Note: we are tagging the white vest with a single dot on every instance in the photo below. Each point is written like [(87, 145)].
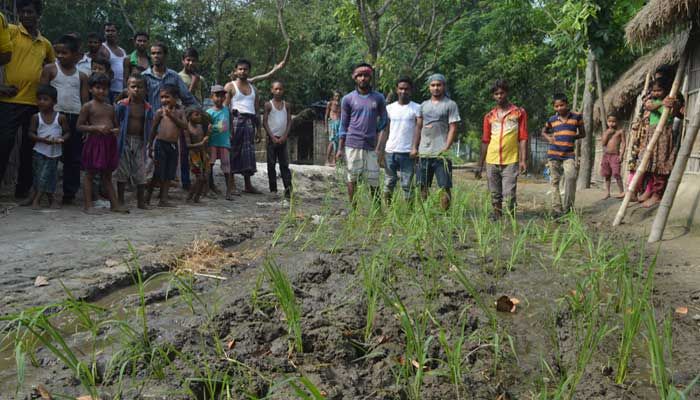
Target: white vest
[(52, 130), (242, 103), (277, 119)]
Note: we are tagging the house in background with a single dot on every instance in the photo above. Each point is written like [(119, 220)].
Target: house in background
[(674, 25)]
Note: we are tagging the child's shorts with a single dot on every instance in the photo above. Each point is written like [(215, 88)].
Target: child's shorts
[(223, 154), (45, 170), (132, 161), (199, 162), (610, 165), (165, 157)]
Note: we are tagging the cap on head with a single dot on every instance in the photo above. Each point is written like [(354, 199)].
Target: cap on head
[(436, 77), (217, 89)]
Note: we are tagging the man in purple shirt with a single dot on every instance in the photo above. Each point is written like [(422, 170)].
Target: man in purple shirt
[(362, 116)]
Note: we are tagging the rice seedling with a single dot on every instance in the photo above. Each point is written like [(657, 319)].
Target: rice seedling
[(305, 389), (453, 353), (372, 282), (415, 329), (518, 246), (282, 288), (633, 298)]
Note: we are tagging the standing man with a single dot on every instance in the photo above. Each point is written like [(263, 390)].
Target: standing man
[(94, 46), (138, 60), (438, 128), (362, 116), (157, 76), (190, 75), (504, 149), (5, 56), (396, 140), (242, 98), (116, 56), (30, 51)]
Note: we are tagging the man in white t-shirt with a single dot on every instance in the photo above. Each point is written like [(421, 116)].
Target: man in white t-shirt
[(396, 140)]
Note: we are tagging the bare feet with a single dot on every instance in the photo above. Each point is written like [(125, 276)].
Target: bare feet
[(644, 197), (652, 201), (27, 202), (119, 209), (251, 190), (143, 206), (166, 204), (91, 211), (620, 196), (607, 196)]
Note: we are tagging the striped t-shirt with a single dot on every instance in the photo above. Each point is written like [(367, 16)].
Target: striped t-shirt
[(564, 130)]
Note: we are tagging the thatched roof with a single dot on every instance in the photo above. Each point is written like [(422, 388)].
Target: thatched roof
[(659, 17), (622, 95)]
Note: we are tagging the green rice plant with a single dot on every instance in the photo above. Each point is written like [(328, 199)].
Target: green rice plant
[(37, 322), (634, 298), (518, 246), (453, 354), (415, 328), (282, 288), (305, 389), (373, 273)]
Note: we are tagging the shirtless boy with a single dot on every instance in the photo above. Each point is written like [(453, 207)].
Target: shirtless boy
[(332, 126), (168, 123), (613, 150), (134, 115)]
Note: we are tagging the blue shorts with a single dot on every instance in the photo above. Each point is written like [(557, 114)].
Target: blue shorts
[(165, 159), (440, 168)]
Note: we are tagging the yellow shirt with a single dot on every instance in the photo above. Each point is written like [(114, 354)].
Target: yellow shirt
[(503, 133), (29, 54), (5, 43)]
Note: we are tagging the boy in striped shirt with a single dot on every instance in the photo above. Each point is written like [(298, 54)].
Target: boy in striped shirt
[(561, 131)]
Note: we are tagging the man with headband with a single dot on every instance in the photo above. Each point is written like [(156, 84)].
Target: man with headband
[(436, 131), (362, 116)]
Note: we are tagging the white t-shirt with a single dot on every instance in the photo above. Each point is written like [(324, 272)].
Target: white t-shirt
[(402, 126)]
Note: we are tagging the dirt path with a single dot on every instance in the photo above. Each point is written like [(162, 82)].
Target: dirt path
[(80, 251)]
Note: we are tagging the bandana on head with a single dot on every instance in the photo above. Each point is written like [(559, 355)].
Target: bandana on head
[(362, 70), (437, 77)]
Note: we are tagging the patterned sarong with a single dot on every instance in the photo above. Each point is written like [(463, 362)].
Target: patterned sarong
[(243, 145)]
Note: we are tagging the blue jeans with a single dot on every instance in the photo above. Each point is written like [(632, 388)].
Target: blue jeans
[(398, 165), (438, 167)]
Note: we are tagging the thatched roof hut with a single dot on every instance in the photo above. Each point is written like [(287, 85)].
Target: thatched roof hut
[(659, 17), (622, 95)]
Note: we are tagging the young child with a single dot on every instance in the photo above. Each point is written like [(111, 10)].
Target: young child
[(332, 126), (663, 153), (100, 156), (561, 131), (72, 88), (196, 137), (220, 140), (49, 130), (277, 121), (168, 124), (134, 115), (613, 142)]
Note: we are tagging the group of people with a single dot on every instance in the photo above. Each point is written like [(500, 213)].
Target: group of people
[(127, 117)]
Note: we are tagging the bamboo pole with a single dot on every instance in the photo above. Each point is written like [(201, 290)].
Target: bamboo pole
[(577, 144), (599, 87), (659, 225), (636, 120), (652, 142)]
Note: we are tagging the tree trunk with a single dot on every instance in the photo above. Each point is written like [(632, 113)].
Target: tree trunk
[(599, 86), (587, 152), (652, 142), (659, 225)]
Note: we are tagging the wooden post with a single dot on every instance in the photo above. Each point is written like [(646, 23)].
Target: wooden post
[(659, 225), (575, 107), (641, 167), (636, 119), (599, 87), (586, 166)]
